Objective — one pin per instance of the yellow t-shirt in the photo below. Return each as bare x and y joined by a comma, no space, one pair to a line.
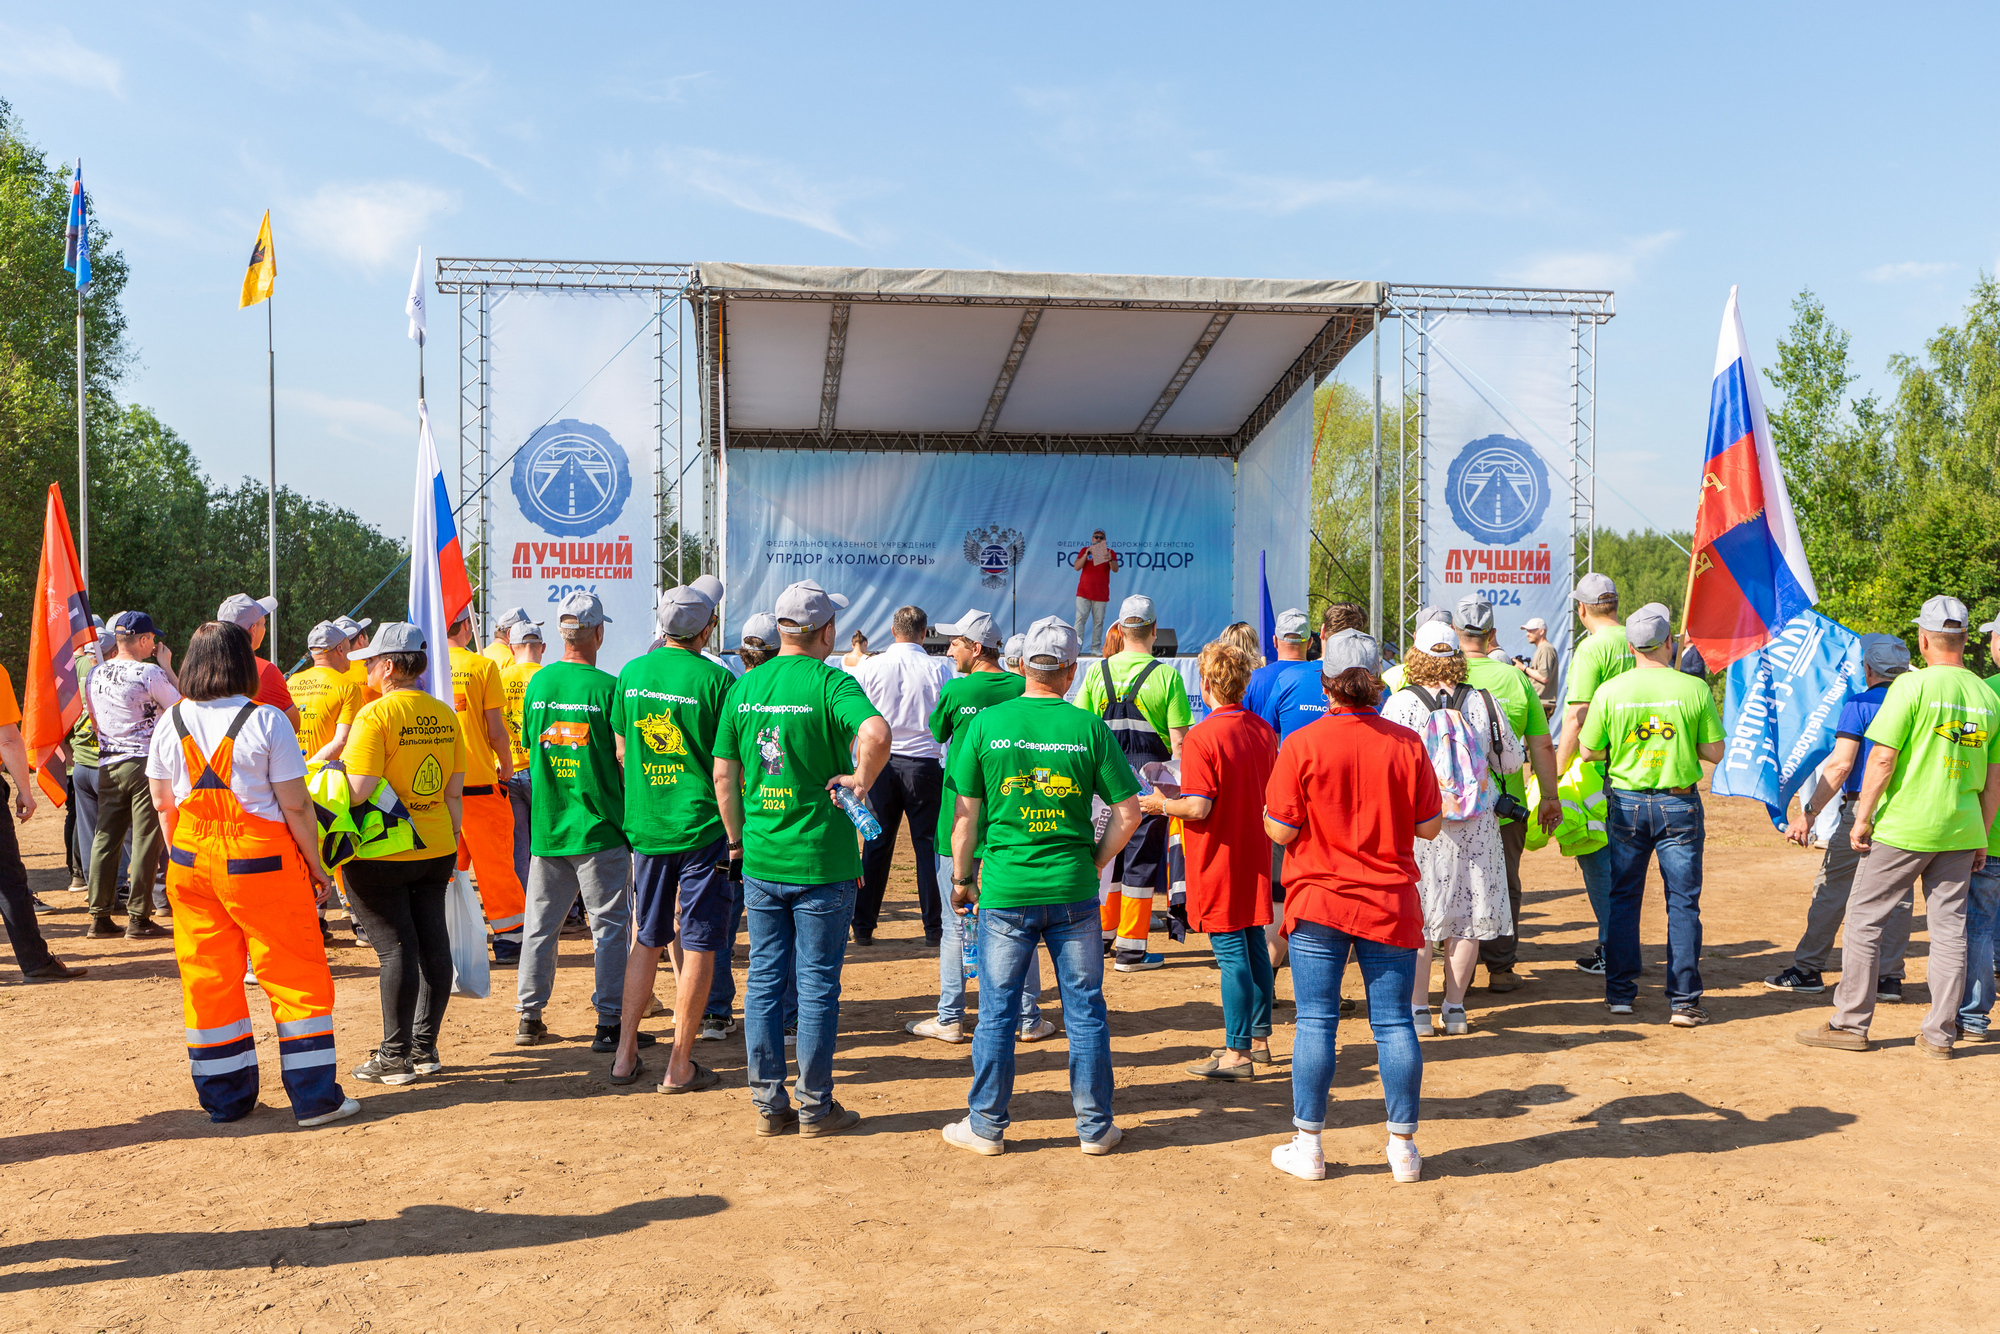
326,699
357,672
475,688
500,655
513,688
412,740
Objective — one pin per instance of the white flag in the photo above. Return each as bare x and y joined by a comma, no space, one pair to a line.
414,307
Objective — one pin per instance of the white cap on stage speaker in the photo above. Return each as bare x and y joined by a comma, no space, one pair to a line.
975,625
1136,611
1292,625
1051,643
807,607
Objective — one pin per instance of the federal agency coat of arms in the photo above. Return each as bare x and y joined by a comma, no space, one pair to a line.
995,550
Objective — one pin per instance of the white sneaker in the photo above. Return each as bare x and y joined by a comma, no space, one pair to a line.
1097,1148
1042,1029
1301,1158
931,1028
1405,1163
1420,1015
960,1134
1620,1007
1454,1019
340,1113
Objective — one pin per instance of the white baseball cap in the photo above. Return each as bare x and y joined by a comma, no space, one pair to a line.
1011,655
244,610
1347,649
804,607
395,637
684,612
763,627
1595,588
512,617
1650,626
583,607
1534,623
1051,642
1939,612
1136,611
1437,639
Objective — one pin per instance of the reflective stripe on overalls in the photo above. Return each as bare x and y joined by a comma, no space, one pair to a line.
240,890
1139,871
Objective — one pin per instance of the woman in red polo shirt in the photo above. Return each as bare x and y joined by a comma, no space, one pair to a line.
1226,760
1349,797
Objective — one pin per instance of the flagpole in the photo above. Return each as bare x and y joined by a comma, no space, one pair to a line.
271,499
82,457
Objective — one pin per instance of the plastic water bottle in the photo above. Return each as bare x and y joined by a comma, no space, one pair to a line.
968,936
857,811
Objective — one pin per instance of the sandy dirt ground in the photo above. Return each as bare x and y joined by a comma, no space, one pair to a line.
1580,1174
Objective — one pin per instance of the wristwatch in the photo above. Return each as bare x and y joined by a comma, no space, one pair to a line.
972,879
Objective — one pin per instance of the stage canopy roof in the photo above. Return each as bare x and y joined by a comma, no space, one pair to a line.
948,360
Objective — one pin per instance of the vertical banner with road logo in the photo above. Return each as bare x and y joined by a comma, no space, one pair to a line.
1497,492
947,532
574,422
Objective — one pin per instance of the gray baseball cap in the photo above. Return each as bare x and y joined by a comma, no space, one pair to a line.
1939,611
1595,588
1436,639
709,584
684,612
807,607
351,626
1887,655
975,625
1136,611
325,635
395,637
1011,655
583,607
1293,624
1349,648
763,627
1428,615
512,617
531,633
1649,627
245,610
1051,642
1474,613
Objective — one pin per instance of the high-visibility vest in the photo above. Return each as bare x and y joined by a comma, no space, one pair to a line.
1584,807
378,827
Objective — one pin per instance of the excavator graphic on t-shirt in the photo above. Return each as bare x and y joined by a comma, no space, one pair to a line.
1652,727
1964,732
1044,781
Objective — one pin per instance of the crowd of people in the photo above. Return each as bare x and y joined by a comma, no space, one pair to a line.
1328,806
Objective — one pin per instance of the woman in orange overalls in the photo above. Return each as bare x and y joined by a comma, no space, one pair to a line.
245,879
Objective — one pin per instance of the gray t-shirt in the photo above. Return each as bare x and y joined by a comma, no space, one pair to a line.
127,699
1545,662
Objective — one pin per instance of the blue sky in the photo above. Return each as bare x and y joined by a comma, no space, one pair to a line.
1663,153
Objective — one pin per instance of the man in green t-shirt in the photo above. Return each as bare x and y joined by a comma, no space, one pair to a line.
1022,775
1653,726
1145,704
577,843
1928,799
1515,694
793,732
981,683
665,714
1602,655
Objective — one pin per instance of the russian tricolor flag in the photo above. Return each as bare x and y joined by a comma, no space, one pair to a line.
439,589
1749,574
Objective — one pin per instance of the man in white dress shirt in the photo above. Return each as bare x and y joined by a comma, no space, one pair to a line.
903,684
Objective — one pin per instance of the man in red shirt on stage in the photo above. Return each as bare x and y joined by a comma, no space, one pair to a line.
1097,563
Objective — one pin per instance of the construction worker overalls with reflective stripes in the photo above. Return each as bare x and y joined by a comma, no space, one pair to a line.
1140,869
239,887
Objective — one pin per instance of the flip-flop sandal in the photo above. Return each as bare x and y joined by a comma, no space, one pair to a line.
638,1068
704,1078
1213,1068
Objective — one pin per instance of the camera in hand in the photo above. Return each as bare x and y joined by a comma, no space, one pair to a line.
1510,807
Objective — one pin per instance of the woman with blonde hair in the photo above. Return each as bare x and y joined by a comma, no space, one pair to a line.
1243,637
1463,872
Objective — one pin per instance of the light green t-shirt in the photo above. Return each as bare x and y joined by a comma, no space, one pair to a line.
1036,763
791,725
1597,659
577,793
1944,725
962,698
1651,722
1515,693
1163,699
668,706
1392,680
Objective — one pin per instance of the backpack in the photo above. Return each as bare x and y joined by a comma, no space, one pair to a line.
1465,779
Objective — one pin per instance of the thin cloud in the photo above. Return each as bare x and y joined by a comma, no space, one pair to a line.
54,54
1615,267
1909,270
674,88
353,419
761,185
370,224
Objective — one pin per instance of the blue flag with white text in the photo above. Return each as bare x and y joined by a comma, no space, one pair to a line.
1779,712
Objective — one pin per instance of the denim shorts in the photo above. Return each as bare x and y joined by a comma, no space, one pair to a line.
688,889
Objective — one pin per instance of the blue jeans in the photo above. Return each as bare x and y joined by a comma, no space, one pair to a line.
1007,940
1982,910
1248,985
722,988
797,933
1641,824
1598,873
1318,955
517,801
951,967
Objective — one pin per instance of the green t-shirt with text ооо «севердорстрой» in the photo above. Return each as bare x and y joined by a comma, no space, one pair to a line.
578,794
668,709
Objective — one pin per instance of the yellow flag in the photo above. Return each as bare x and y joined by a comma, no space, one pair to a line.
262,274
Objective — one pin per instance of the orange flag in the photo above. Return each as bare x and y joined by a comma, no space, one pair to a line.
61,628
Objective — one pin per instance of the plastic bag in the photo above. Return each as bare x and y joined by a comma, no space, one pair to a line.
466,921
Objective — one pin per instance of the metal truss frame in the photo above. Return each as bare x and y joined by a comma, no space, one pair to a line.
477,283
1413,308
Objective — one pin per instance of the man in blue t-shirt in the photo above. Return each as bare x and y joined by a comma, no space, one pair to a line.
1287,693
1885,657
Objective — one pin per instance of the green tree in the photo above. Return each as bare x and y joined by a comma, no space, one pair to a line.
1343,451
1646,566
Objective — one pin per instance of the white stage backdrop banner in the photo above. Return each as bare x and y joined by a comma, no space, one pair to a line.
1496,503
947,532
575,508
